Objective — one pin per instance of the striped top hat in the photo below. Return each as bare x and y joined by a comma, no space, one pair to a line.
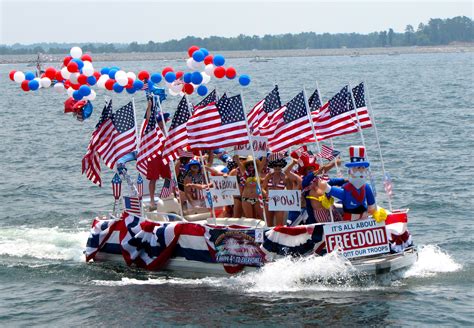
357,155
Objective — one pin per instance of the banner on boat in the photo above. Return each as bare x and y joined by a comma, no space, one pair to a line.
217,198
284,200
260,145
357,238
227,185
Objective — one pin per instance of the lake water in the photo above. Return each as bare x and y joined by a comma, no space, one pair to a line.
424,110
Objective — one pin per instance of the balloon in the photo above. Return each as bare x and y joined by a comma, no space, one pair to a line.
65,73
79,62
11,74
88,70
179,75
19,77
104,70
138,85
117,87
208,59
131,75
75,86
188,88
190,63
72,67
143,75
66,60
24,85
155,78
244,80
92,95
50,73
121,78
70,91
45,82
58,76
76,52
84,90
196,78
192,49
209,69
219,60
109,84
205,78
86,57
97,75
204,51
230,73
82,79
219,72
198,56
166,70
112,72
170,77
101,81
91,80
187,77
202,90
76,95
58,87
67,84
129,83
130,90
73,78
33,85
29,76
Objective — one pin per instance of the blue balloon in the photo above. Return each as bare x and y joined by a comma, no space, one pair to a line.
33,85
219,60
79,62
131,90
204,51
198,56
138,85
87,110
115,68
155,77
76,95
187,77
84,90
104,70
202,90
196,78
117,87
91,80
244,80
29,76
170,77
112,72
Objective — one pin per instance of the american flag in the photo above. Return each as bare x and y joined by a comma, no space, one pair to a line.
335,118
260,113
211,127
120,137
314,101
328,153
277,156
210,98
152,140
132,205
362,112
185,153
116,186
289,125
167,189
91,160
388,186
140,186
177,135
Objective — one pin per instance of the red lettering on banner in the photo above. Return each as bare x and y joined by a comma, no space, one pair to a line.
357,239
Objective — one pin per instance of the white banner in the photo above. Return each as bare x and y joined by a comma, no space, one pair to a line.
218,199
284,200
260,146
227,185
357,238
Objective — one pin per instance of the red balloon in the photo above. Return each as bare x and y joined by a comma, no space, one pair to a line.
188,88
219,72
66,60
230,73
75,86
97,75
179,74
12,73
208,59
72,67
86,57
166,70
24,85
42,75
50,73
109,84
67,84
130,83
82,79
191,50
143,75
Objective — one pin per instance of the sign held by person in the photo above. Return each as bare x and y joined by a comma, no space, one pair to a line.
226,184
260,145
284,200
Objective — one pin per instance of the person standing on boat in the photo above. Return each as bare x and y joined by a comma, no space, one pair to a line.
194,184
275,180
357,197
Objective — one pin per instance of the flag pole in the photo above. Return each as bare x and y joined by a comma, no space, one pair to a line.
173,172
201,159
130,183
372,116
257,175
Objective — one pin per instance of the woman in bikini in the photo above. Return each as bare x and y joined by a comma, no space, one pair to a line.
248,180
275,180
194,184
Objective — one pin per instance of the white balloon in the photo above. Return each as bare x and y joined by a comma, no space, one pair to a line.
59,87
88,71
205,78
70,91
102,80
120,75
65,73
123,81
172,93
45,82
189,62
87,63
19,77
209,69
131,75
73,78
76,52
198,65
91,96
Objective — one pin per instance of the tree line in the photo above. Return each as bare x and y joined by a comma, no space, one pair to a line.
436,32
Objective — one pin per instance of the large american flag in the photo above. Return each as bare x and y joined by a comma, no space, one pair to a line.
289,125
132,205
260,113
177,138
120,138
152,140
213,127
362,112
91,160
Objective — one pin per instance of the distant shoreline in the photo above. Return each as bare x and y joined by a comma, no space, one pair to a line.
145,56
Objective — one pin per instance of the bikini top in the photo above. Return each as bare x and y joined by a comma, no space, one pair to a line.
280,184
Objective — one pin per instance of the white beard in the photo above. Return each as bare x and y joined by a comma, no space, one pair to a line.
357,182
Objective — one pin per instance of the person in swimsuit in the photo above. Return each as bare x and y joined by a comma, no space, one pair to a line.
275,180
250,204
194,185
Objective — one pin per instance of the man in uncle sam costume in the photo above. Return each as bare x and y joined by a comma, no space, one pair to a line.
357,196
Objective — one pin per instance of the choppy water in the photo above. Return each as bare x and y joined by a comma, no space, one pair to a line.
424,108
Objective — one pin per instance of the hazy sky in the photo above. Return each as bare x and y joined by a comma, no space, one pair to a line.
143,20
